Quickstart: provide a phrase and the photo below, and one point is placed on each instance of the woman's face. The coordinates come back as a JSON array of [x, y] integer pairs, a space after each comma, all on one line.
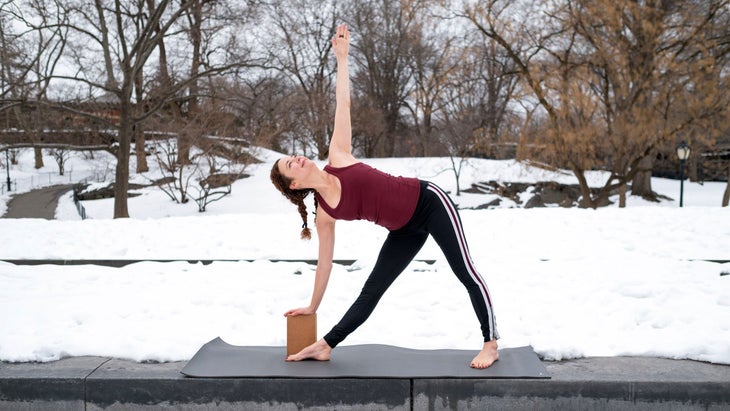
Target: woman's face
[[294, 168]]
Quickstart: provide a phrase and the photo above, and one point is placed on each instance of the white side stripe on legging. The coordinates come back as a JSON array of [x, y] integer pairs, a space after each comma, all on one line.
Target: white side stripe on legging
[[458, 229]]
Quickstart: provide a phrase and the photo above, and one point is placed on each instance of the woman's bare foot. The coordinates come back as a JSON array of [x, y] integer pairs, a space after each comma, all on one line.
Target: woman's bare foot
[[319, 351], [487, 356]]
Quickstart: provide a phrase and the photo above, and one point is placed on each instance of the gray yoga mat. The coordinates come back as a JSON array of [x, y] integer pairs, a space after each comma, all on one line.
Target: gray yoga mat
[[220, 359]]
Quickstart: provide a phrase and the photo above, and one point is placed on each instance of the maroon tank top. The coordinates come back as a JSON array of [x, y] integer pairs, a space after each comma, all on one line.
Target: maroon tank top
[[370, 194]]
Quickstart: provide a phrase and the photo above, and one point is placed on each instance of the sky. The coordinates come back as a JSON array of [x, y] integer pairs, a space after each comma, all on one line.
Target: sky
[[570, 283]]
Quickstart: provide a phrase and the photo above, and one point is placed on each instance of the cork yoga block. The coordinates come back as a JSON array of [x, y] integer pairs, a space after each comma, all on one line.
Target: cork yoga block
[[301, 331]]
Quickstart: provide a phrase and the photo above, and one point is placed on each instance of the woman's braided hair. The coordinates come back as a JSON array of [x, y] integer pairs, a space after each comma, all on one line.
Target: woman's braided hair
[[297, 197]]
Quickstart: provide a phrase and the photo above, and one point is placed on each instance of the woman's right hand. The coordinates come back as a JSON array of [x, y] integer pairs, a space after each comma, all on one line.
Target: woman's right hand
[[341, 42], [299, 311]]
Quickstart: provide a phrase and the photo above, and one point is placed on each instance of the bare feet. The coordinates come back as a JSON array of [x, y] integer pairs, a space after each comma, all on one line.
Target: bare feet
[[487, 356], [319, 351]]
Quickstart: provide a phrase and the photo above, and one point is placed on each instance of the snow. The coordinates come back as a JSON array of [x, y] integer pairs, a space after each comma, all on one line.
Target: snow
[[569, 282]]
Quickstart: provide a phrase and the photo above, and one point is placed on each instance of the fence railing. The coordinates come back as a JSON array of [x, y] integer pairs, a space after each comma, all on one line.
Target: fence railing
[[79, 207], [4, 186], [40, 180]]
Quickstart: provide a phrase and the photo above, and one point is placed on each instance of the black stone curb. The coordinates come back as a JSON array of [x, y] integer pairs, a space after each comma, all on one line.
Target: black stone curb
[[616, 383]]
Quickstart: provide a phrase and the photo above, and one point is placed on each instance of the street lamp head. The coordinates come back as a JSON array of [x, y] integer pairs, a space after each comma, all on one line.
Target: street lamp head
[[683, 151]]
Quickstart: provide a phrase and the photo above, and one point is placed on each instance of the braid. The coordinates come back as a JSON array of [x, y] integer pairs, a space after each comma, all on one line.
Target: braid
[[297, 197], [302, 208]]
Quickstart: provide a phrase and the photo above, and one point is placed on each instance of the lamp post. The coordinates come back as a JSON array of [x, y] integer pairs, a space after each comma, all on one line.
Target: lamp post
[[7, 167], [683, 151]]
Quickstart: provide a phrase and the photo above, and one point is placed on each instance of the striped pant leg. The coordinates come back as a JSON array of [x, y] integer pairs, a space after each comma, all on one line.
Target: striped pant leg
[[446, 228], [398, 251]]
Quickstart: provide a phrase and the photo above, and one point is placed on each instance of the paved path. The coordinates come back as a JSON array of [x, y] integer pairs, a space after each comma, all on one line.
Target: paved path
[[39, 203]]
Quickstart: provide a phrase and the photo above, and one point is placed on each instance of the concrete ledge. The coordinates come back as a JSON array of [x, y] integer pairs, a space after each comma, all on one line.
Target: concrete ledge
[[94, 383], [127, 385], [59, 385], [612, 383]]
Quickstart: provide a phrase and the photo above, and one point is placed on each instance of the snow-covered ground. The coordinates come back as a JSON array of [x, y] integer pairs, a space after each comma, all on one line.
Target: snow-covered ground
[[569, 282]]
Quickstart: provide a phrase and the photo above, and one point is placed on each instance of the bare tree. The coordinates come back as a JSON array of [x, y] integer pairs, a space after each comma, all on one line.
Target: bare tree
[[726, 193], [61, 155], [616, 79], [195, 20], [382, 79], [301, 51], [213, 174], [264, 104], [29, 60], [103, 29], [472, 109], [436, 56], [177, 177], [216, 183], [495, 80], [12, 73]]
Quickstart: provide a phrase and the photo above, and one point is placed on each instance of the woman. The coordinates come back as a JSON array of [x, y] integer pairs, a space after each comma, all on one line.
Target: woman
[[347, 189]]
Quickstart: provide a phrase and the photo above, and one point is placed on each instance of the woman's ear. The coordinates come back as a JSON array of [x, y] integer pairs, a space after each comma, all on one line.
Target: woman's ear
[[293, 185]]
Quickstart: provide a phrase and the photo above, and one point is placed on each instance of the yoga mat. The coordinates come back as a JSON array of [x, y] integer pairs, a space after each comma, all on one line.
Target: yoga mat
[[220, 359]]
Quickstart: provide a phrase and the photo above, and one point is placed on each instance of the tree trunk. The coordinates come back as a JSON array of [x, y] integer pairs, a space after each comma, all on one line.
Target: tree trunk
[[183, 147], [726, 195], [139, 150], [693, 170], [38, 157], [622, 196], [457, 172], [585, 190], [641, 183], [111, 82], [427, 132], [319, 124], [121, 183], [185, 140]]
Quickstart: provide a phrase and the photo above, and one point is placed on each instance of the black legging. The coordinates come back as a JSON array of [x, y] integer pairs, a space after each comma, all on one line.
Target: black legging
[[436, 215]]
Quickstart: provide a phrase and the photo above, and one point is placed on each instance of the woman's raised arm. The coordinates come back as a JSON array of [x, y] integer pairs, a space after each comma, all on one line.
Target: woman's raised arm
[[340, 149]]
